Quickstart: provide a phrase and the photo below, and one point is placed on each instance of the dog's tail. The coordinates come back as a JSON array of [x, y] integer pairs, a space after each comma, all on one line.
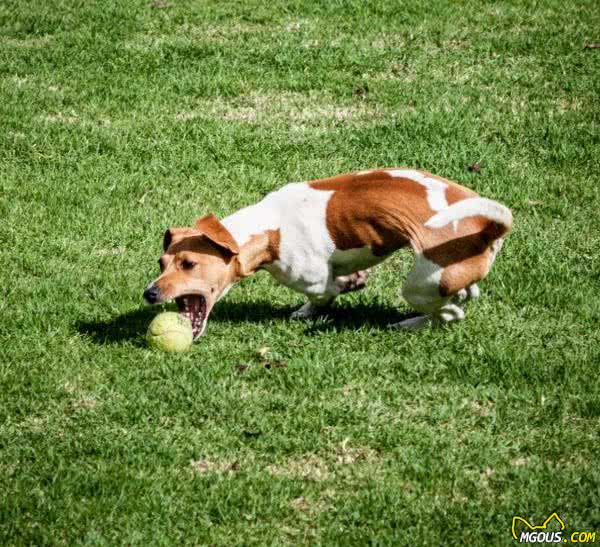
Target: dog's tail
[[499, 216]]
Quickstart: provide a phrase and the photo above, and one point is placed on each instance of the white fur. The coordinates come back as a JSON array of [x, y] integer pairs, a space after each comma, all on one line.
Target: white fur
[[421, 289], [254, 219], [471, 207], [436, 189], [353, 260], [305, 248], [495, 249], [468, 293]]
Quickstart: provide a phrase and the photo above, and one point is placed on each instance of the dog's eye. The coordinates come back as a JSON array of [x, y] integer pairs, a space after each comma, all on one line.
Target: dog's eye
[[160, 265], [187, 264]]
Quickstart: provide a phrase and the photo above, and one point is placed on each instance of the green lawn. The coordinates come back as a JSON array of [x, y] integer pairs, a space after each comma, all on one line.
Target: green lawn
[[119, 119]]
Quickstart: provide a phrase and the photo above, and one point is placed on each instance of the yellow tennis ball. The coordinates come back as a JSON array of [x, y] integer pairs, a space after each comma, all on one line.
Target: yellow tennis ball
[[170, 331]]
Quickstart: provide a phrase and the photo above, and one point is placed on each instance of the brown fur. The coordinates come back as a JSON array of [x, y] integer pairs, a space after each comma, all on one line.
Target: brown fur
[[217, 233], [260, 249], [384, 212]]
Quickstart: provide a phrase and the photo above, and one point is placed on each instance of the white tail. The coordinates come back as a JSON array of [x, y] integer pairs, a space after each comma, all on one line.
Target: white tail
[[473, 207]]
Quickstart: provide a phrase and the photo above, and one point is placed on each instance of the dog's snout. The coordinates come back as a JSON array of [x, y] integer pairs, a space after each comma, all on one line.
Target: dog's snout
[[151, 294]]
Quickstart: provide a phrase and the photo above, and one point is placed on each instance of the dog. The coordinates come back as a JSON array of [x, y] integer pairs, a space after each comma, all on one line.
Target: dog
[[321, 238]]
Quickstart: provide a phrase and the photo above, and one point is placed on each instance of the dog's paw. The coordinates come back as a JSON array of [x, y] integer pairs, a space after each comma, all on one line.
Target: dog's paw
[[305, 311], [413, 323], [469, 293], [473, 292], [352, 282], [449, 313]]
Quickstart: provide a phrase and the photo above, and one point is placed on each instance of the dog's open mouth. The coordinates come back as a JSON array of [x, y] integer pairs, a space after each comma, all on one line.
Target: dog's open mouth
[[193, 306]]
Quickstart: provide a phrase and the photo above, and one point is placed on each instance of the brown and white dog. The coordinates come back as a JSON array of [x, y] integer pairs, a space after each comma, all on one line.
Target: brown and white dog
[[320, 237]]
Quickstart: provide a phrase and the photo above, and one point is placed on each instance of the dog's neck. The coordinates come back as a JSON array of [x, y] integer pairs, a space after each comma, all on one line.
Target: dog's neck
[[259, 250]]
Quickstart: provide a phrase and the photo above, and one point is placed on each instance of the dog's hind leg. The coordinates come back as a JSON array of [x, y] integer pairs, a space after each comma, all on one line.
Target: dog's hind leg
[[437, 291], [352, 282], [423, 290], [468, 293]]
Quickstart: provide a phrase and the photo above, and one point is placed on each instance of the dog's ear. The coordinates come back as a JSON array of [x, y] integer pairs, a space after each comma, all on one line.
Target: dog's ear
[[167, 239], [210, 227], [173, 235]]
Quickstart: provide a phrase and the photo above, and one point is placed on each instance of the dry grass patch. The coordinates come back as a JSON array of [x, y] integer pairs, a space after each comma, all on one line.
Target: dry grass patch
[[309, 467], [482, 408], [192, 34], [317, 468], [114, 251], [210, 466], [83, 404], [308, 506], [348, 455], [61, 117], [30, 42], [297, 109]]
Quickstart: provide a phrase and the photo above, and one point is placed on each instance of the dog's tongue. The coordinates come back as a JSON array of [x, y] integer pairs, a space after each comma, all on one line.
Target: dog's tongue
[[193, 306]]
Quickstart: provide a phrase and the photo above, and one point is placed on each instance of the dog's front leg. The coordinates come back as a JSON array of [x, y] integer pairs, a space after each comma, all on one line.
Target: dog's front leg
[[313, 308], [320, 296]]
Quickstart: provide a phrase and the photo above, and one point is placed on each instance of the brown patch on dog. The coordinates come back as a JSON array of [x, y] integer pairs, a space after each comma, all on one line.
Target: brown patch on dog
[[177, 234], [454, 192], [462, 274], [260, 249], [385, 212], [211, 227], [367, 210]]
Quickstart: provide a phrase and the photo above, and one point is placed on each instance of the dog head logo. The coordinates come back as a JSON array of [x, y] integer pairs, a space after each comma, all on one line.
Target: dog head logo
[[548, 532]]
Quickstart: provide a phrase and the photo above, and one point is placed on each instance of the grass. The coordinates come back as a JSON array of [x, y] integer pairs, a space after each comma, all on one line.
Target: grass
[[120, 119]]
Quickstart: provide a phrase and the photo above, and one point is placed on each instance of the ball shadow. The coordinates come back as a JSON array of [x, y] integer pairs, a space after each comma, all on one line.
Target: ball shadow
[[130, 327]]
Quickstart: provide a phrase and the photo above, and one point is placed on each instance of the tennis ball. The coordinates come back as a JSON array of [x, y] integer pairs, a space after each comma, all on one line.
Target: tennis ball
[[170, 331]]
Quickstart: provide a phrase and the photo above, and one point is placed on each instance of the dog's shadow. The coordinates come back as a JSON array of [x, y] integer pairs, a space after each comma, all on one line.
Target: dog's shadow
[[130, 327]]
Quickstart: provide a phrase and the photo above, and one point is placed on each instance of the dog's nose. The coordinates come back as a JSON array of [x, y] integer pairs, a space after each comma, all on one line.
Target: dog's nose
[[151, 294]]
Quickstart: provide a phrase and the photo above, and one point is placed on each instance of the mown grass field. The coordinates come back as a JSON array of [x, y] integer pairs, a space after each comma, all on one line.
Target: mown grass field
[[119, 119]]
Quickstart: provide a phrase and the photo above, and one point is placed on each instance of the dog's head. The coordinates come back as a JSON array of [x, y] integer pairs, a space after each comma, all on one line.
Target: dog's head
[[197, 267]]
